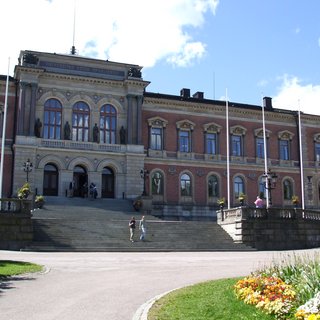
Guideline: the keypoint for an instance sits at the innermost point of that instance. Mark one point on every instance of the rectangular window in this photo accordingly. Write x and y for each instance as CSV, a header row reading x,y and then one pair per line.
x,y
259,148
211,143
184,141
236,146
156,139
284,150
317,151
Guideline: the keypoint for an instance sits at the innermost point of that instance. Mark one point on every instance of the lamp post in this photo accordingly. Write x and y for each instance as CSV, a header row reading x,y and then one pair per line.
x,y
27,167
270,179
144,174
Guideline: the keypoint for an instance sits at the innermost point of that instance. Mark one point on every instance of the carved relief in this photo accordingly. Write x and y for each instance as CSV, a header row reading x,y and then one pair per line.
x,y
157,122
212,127
134,72
259,133
316,137
238,130
285,135
185,124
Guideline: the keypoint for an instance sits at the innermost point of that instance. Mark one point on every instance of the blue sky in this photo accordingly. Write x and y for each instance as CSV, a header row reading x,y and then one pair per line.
x,y
252,48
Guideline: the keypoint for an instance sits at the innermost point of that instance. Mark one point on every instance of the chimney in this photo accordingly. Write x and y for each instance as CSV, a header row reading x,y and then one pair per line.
x,y
185,93
267,103
198,95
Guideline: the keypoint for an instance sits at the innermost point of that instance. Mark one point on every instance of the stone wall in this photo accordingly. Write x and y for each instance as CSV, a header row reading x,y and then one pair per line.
x,y
16,228
273,229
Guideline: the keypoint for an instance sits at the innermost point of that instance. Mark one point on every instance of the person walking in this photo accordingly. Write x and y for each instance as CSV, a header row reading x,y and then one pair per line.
x,y
142,228
132,227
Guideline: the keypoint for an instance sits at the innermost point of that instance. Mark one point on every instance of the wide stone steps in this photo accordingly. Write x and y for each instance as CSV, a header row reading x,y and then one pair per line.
x,y
84,225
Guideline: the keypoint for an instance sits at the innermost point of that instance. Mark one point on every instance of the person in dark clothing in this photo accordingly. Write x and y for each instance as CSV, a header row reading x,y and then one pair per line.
x,y
132,227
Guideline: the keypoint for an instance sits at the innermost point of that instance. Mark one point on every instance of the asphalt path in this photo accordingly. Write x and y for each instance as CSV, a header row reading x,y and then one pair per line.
x,y
115,286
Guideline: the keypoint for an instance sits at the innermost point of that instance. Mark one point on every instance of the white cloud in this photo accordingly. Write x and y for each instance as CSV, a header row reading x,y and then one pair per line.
x,y
184,57
294,95
141,31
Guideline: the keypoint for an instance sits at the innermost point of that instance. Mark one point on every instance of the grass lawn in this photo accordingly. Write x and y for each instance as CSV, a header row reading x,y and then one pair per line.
x,y
11,268
210,300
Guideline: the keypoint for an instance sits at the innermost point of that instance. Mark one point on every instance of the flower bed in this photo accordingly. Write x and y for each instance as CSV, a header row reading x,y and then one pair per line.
x,y
289,291
269,294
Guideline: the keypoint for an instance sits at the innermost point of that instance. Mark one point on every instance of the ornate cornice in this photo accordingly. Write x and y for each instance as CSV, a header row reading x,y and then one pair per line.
x,y
219,111
83,79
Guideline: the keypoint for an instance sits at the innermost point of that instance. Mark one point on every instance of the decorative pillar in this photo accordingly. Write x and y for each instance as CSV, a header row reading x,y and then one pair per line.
x,y
129,120
32,116
21,108
139,120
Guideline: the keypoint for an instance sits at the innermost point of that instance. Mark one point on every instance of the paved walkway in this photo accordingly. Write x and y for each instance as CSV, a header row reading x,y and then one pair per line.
x,y
113,286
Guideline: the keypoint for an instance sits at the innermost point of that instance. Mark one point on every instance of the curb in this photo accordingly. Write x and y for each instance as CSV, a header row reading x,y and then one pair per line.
x,y
143,310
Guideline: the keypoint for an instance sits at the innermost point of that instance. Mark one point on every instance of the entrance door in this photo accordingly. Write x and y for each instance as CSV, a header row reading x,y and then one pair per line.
x,y
80,179
107,190
50,180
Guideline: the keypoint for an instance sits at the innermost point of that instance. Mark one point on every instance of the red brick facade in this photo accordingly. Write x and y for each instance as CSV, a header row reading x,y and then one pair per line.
x,y
174,131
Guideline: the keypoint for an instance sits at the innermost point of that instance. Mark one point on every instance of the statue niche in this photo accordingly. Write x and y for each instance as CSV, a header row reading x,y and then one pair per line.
x,y
122,135
95,133
67,131
37,128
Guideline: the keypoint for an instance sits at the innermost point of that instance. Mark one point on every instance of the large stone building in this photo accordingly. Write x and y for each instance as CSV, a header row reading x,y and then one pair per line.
x,y
80,120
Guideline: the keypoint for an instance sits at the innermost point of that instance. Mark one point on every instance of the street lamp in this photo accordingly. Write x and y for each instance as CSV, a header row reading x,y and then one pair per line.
x,y
270,180
144,174
27,167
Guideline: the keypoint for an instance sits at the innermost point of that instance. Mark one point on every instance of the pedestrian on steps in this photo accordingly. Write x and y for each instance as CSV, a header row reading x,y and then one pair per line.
x,y
132,227
142,228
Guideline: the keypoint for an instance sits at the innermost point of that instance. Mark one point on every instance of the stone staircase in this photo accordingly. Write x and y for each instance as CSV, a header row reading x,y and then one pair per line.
x,y
77,224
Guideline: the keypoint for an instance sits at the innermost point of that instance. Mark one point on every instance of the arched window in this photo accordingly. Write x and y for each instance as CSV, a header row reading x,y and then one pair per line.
x,y
238,186
157,183
287,190
213,186
108,124
185,185
52,119
80,121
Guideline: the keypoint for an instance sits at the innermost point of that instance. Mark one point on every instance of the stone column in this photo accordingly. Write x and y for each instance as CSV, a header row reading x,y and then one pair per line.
x,y
21,108
129,120
32,116
139,120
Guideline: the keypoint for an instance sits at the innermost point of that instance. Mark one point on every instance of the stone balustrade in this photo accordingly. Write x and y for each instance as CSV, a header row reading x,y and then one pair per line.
x,y
273,228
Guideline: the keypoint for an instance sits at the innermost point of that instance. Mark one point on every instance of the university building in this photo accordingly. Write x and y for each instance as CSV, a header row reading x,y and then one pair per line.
x,y
73,120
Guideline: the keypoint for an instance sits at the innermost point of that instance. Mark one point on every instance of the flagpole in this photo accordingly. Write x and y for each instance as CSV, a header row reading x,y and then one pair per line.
x,y
228,160
301,161
4,130
265,155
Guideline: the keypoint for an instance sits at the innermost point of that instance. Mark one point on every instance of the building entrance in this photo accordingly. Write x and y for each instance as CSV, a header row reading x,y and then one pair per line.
x,y
50,180
80,179
107,187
